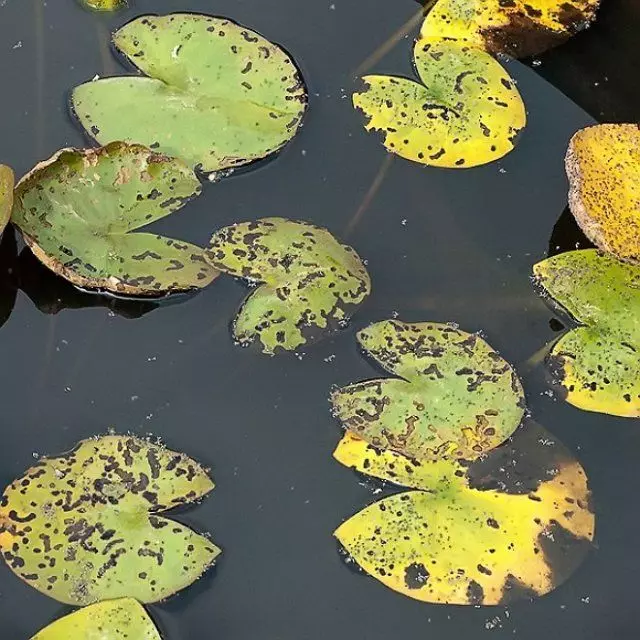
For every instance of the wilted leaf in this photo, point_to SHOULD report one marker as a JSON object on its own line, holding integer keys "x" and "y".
{"x": 86, "y": 526}
{"x": 518, "y": 28}
{"x": 123, "y": 619}
{"x": 603, "y": 165}
{"x": 514, "y": 524}
{"x": 76, "y": 212}
{"x": 105, "y": 5}
{"x": 218, "y": 95}
{"x": 468, "y": 111}
{"x": 597, "y": 365}
{"x": 454, "y": 395}
{"x": 308, "y": 279}
{"x": 6, "y": 195}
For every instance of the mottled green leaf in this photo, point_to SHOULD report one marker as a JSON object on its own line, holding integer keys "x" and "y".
{"x": 454, "y": 395}
{"x": 123, "y": 619}
{"x": 597, "y": 365}
{"x": 216, "y": 94}
{"x": 309, "y": 280}
{"x": 466, "y": 112}
{"x": 105, "y": 5}
{"x": 6, "y": 195}
{"x": 76, "y": 212}
{"x": 87, "y": 526}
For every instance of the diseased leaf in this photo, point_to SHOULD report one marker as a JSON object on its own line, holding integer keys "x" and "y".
{"x": 514, "y": 524}
{"x": 598, "y": 365}
{"x": 308, "y": 279}
{"x": 77, "y": 210}
{"x": 518, "y": 28}
{"x": 123, "y": 619}
{"x": 467, "y": 112}
{"x": 217, "y": 94}
{"x": 87, "y": 526}
{"x": 454, "y": 396}
{"x": 603, "y": 165}
{"x": 6, "y": 195}
{"x": 105, "y": 5}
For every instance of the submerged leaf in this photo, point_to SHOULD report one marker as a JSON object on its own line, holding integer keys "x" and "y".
{"x": 308, "y": 279}
{"x": 123, "y": 619}
{"x": 6, "y": 195}
{"x": 468, "y": 111}
{"x": 105, "y": 5}
{"x": 518, "y": 28}
{"x": 597, "y": 365}
{"x": 454, "y": 395}
{"x": 77, "y": 209}
{"x": 86, "y": 526}
{"x": 515, "y": 524}
{"x": 218, "y": 95}
{"x": 603, "y": 165}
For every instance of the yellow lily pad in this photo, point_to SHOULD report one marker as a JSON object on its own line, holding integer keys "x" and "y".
{"x": 105, "y": 5}
{"x": 467, "y": 110}
{"x": 603, "y": 165}
{"x": 87, "y": 526}
{"x": 6, "y": 195}
{"x": 518, "y": 28}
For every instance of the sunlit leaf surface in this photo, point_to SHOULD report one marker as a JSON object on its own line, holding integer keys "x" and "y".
{"x": 6, "y": 195}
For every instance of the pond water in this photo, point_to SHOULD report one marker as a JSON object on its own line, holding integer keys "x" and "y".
{"x": 441, "y": 245}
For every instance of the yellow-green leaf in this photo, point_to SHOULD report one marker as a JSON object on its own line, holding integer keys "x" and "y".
{"x": 105, "y": 5}
{"x": 6, "y": 195}
{"x": 466, "y": 112}
{"x": 87, "y": 526}
{"x": 518, "y": 28}
{"x": 123, "y": 619}
{"x": 603, "y": 165}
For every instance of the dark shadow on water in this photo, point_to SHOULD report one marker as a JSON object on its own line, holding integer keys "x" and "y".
{"x": 567, "y": 235}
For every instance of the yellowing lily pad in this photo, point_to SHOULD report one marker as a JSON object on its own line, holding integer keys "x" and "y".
{"x": 454, "y": 396}
{"x": 6, "y": 195}
{"x": 466, "y": 112}
{"x": 105, "y": 5}
{"x": 308, "y": 279}
{"x": 77, "y": 210}
{"x": 87, "y": 526}
{"x": 597, "y": 365}
{"x": 215, "y": 93}
{"x": 518, "y": 28}
{"x": 515, "y": 524}
{"x": 603, "y": 165}
{"x": 123, "y": 619}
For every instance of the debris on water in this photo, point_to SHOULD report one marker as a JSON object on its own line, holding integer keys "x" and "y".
{"x": 493, "y": 623}
{"x": 330, "y": 358}
{"x": 536, "y": 62}
{"x": 403, "y": 222}
{"x": 17, "y": 45}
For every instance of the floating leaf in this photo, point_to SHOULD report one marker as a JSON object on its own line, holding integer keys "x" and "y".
{"x": 598, "y": 365}
{"x": 6, "y": 195}
{"x": 468, "y": 111}
{"x": 308, "y": 278}
{"x": 105, "y": 5}
{"x": 123, "y": 619}
{"x": 514, "y": 524}
{"x": 603, "y": 165}
{"x": 518, "y": 28}
{"x": 454, "y": 395}
{"x": 76, "y": 212}
{"x": 218, "y": 95}
{"x": 86, "y": 526}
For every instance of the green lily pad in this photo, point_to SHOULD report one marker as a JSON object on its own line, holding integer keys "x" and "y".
{"x": 6, "y": 195}
{"x": 105, "y": 5}
{"x": 87, "y": 526}
{"x": 77, "y": 210}
{"x": 454, "y": 395}
{"x": 217, "y": 94}
{"x": 597, "y": 365}
{"x": 123, "y": 619}
{"x": 308, "y": 279}
{"x": 466, "y": 112}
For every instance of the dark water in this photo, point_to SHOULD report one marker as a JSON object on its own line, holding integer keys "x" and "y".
{"x": 441, "y": 245}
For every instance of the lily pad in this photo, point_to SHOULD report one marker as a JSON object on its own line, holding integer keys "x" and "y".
{"x": 603, "y": 165}
{"x": 6, "y": 195}
{"x": 77, "y": 210}
{"x": 308, "y": 279}
{"x": 105, "y": 5}
{"x": 597, "y": 365}
{"x": 123, "y": 619}
{"x": 518, "y": 28}
{"x": 217, "y": 94}
{"x": 87, "y": 526}
{"x": 467, "y": 112}
{"x": 514, "y": 525}
{"x": 454, "y": 395}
